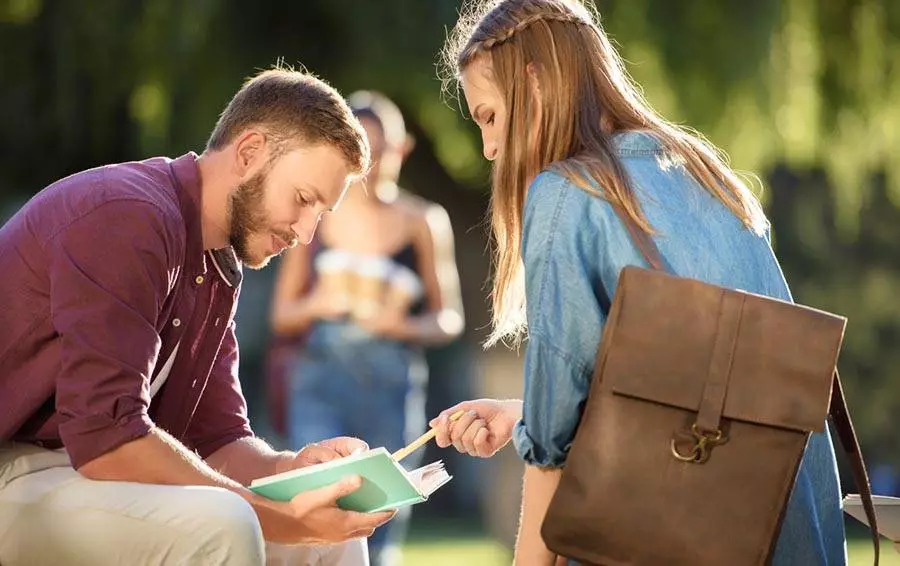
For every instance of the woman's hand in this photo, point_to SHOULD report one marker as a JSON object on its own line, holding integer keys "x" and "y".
{"x": 485, "y": 427}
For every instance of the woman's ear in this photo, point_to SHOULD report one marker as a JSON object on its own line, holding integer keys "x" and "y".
{"x": 409, "y": 143}
{"x": 533, "y": 81}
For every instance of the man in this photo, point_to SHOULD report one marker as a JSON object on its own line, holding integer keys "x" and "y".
{"x": 123, "y": 428}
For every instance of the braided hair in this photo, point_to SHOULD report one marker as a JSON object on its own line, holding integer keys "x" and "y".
{"x": 491, "y": 42}
{"x": 566, "y": 93}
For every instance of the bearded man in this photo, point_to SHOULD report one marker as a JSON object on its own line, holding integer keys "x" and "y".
{"x": 124, "y": 436}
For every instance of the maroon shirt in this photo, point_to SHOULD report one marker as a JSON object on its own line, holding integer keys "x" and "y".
{"x": 102, "y": 274}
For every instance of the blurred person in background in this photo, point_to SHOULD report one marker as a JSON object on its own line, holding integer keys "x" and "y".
{"x": 377, "y": 285}
{"x": 124, "y": 436}
{"x": 571, "y": 138}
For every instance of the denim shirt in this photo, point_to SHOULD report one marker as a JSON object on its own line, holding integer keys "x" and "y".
{"x": 574, "y": 247}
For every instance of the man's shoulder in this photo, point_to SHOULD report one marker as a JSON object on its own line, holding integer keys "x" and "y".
{"x": 149, "y": 181}
{"x": 146, "y": 185}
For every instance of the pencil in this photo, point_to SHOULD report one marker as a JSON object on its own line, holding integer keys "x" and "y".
{"x": 417, "y": 443}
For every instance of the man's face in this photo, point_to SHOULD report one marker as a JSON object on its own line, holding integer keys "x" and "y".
{"x": 281, "y": 205}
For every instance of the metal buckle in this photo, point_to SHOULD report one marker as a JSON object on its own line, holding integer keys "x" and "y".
{"x": 697, "y": 442}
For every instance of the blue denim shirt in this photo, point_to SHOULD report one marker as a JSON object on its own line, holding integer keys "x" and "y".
{"x": 573, "y": 249}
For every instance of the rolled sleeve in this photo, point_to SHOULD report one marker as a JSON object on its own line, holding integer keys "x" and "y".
{"x": 564, "y": 297}
{"x": 555, "y": 391}
{"x": 221, "y": 416}
{"x": 108, "y": 279}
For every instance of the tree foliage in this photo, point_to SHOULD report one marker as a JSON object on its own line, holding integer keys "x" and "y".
{"x": 805, "y": 93}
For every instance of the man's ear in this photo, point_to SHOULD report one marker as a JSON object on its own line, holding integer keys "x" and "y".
{"x": 249, "y": 148}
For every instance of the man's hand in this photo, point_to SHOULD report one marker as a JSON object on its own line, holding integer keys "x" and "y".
{"x": 323, "y": 451}
{"x": 313, "y": 517}
{"x": 484, "y": 429}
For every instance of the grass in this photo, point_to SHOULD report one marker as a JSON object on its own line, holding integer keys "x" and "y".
{"x": 859, "y": 552}
{"x": 468, "y": 552}
{"x": 485, "y": 552}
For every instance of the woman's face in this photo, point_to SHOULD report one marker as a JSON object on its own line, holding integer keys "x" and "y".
{"x": 485, "y": 104}
{"x": 488, "y": 108}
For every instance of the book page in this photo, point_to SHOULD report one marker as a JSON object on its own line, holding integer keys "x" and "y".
{"x": 428, "y": 479}
{"x": 887, "y": 510}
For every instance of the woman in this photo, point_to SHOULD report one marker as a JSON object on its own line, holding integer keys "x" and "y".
{"x": 378, "y": 283}
{"x": 571, "y": 138}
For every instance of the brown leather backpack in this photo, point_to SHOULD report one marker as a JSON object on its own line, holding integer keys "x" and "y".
{"x": 702, "y": 402}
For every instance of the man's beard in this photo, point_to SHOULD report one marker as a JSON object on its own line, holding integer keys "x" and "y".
{"x": 247, "y": 214}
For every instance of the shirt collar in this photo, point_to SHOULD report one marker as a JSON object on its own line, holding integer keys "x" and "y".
{"x": 186, "y": 174}
{"x": 187, "y": 178}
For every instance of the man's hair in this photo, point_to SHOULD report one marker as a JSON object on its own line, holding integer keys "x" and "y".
{"x": 292, "y": 108}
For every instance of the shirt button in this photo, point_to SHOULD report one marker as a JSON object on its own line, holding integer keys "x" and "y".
{"x": 194, "y": 384}
{"x": 176, "y": 323}
{"x": 199, "y": 280}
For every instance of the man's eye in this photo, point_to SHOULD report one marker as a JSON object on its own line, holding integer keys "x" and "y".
{"x": 303, "y": 201}
{"x": 490, "y": 120}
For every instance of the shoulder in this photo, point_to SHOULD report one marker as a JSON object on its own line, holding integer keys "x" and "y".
{"x": 148, "y": 182}
{"x": 637, "y": 143}
{"x": 423, "y": 214}
{"x": 139, "y": 198}
{"x": 558, "y": 205}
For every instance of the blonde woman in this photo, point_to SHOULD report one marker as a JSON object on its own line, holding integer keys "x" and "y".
{"x": 571, "y": 140}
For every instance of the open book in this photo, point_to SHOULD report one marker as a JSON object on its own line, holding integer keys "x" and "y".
{"x": 386, "y": 484}
{"x": 887, "y": 510}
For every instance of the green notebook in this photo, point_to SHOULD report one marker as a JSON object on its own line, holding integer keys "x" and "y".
{"x": 386, "y": 484}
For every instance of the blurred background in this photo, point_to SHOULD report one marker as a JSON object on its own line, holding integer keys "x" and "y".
{"x": 806, "y": 93}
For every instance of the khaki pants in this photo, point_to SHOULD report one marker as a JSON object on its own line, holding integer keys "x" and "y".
{"x": 50, "y": 514}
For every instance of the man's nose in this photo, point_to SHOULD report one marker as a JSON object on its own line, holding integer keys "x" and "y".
{"x": 306, "y": 230}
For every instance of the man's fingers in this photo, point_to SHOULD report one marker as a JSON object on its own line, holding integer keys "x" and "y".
{"x": 356, "y": 523}
{"x": 345, "y": 445}
{"x": 328, "y": 495}
{"x": 363, "y": 533}
{"x": 375, "y": 520}
{"x": 318, "y": 453}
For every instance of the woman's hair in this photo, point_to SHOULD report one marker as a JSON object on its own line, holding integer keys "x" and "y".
{"x": 586, "y": 96}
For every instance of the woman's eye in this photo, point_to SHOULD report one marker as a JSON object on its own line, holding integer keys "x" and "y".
{"x": 490, "y": 120}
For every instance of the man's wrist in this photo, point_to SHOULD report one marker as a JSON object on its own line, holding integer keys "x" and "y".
{"x": 284, "y": 461}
